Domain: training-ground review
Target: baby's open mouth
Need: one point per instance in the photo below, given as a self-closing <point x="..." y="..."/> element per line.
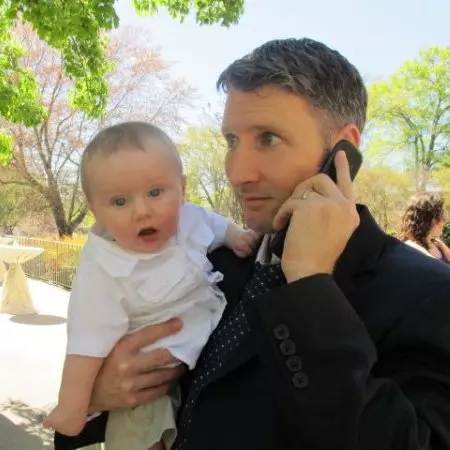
<point x="147" y="231"/>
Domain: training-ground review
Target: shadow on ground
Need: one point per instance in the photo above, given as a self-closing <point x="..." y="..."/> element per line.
<point x="37" y="319"/>
<point x="21" y="429"/>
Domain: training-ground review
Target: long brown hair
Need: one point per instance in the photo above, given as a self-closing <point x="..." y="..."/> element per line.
<point x="423" y="211"/>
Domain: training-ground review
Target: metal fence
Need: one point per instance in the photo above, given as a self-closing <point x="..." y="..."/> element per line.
<point x="57" y="264"/>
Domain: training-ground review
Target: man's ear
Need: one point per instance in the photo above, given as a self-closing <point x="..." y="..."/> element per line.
<point x="350" y="133"/>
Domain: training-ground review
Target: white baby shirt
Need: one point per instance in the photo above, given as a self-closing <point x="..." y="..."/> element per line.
<point x="116" y="292"/>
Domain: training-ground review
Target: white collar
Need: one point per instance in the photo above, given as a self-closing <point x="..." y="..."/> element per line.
<point x="113" y="258"/>
<point x="419" y="247"/>
<point x="264" y="256"/>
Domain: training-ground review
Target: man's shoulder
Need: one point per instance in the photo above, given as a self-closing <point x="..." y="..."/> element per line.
<point x="409" y="273"/>
<point x="403" y="257"/>
<point x="223" y="256"/>
<point x="225" y="261"/>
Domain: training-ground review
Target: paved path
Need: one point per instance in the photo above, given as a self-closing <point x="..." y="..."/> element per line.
<point x="31" y="356"/>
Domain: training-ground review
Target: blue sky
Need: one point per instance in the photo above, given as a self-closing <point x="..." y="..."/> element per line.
<point x="377" y="36"/>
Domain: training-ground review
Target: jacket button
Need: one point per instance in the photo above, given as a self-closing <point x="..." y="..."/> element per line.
<point x="300" y="380"/>
<point x="281" y="332"/>
<point x="287" y="347"/>
<point x="294" y="363"/>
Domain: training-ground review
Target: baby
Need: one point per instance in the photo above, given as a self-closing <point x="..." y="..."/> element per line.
<point x="145" y="262"/>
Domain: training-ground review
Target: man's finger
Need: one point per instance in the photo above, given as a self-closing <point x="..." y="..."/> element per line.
<point x="134" y="342"/>
<point x="344" y="180"/>
<point x="155" y="359"/>
<point x="283" y="215"/>
<point x="147" y="395"/>
<point x="293" y="203"/>
<point x="320" y="183"/>
<point x="157" y="377"/>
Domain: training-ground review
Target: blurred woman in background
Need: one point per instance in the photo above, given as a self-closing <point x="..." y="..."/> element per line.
<point x="423" y="223"/>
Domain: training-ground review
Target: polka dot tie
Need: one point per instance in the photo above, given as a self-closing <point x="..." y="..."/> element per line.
<point x="225" y="340"/>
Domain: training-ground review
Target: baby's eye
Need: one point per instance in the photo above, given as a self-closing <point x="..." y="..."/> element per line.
<point x="155" y="192"/>
<point x="120" y="201"/>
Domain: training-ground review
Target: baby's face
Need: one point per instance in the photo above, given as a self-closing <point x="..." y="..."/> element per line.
<point x="136" y="196"/>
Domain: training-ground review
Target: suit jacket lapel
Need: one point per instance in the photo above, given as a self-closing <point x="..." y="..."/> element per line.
<point x="361" y="253"/>
<point x="237" y="272"/>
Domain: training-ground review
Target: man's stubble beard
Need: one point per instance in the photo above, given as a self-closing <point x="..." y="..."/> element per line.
<point x="264" y="225"/>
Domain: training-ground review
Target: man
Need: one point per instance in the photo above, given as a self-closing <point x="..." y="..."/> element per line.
<point x="347" y="344"/>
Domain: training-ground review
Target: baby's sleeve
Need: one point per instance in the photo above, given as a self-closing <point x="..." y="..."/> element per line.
<point x="219" y="225"/>
<point x="96" y="317"/>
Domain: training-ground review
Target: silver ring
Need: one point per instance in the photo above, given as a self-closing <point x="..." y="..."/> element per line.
<point x="305" y="194"/>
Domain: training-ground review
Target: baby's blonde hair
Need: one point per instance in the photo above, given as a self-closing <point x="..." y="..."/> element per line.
<point x="129" y="135"/>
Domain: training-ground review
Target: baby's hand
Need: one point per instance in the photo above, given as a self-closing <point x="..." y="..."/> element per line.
<point x="244" y="242"/>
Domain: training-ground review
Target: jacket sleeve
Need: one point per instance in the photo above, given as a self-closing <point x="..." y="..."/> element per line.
<point x="331" y="390"/>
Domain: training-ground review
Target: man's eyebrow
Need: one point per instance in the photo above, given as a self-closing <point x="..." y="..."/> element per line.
<point x="257" y="128"/>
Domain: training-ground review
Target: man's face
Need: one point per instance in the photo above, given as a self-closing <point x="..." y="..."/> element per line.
<point x="275" y="142"/>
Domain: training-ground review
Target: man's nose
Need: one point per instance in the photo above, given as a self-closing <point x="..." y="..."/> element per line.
<point x="141" y="208"/>
<point x="242" y="166"/>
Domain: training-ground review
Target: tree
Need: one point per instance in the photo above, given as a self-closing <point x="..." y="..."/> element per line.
<point x="16" y="202"/>
<point x="441" y="183"/>
<point x="385" y="192"/>
<point x="13" y="207"/>
<point x="411" y="112"/>
<point x="203" y="152"/>
<point x="47" y="155"/>
<point x="76" y="30"/>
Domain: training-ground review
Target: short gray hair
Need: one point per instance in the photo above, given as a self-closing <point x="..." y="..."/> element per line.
<point x="307" y="68"/>
<point x="134" y="135"/>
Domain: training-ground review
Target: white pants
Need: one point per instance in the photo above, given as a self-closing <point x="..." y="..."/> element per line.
<point x="141" y="427"/>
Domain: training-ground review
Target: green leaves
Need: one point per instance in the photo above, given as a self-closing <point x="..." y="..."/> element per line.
<point x="19" y="95"/>
<point x="208" y="12"/>
<point x="411" y="110"/>
<point x="77" y="28"/>
<point x="6" y="147"/>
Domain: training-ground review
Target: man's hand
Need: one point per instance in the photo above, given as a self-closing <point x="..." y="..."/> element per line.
<point x="128" y="377"/>
<point x="323" y="217"/>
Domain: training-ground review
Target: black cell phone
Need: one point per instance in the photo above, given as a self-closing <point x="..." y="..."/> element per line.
<point x="354" y="158"/>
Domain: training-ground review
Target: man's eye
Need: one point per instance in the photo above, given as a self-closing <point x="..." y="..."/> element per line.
<point x="155" y="192"/>
<point x="269" y="139"/>
<point x="120" y="201"/>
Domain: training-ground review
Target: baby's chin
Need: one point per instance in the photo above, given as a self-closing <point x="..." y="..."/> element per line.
<point x="154" y="243"/>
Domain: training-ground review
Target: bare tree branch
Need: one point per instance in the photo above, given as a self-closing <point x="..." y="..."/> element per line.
<point x="47" y="156"/>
